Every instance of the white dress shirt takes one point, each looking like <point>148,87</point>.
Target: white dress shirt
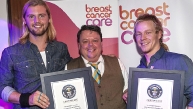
<point>102,69</point>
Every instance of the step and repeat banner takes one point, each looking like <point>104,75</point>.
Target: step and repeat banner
<point>69,16</point>
<point>176,17</point>
<point>116,19</point>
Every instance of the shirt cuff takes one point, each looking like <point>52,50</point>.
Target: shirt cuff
<point>6,93</point>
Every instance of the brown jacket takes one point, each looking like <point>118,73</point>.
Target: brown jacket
<point>109,92</point>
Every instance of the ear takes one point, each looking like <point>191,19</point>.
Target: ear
<point>79,46</point>
<point>24,22</point>
<point>134,38</point>
<point>160,34</point>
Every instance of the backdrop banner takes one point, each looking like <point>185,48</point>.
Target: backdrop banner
<point>175,16</point>
<point>69,16</point>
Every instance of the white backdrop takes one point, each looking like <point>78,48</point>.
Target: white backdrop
<point>177,22</point>
<point>3,26</point>
<point>89,12</point>
<point>3,37</point>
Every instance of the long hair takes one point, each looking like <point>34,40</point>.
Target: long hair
<point>51,32</point>
<point>158,27</point>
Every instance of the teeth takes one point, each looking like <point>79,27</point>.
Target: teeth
<point>143,43</point>
<point>37,26</point>
<point>90,50</point>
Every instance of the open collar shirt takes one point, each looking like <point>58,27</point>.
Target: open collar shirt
<point>102,69</point>
<point>173,61</point>
<point>22,64</point>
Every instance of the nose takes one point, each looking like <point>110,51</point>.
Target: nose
<point>143,36</point>
<point>90,43</point>
<point>36,19</point>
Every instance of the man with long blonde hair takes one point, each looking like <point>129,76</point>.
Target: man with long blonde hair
<point>36,53</point>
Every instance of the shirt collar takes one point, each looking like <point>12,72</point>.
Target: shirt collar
<point>157,55</point>
<point>28,43</point>
<point>101,60</point>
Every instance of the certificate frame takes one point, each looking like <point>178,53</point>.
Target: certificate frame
<point>178,99</point>
<point>85,73</point>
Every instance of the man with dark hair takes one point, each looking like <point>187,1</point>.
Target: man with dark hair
<point>36,53</point>
<point>109,74</point>
<point>148,35</point>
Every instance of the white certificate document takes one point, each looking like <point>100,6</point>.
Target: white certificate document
<point>69,94</point>
<point>154,93</point>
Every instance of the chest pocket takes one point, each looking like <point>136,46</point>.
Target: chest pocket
<point>59,64</point>
<point>27,69</point>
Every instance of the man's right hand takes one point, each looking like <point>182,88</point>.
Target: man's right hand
<point>40,99</point>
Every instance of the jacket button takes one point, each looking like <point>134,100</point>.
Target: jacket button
<point>99,86</point>
<point>101,95</point>
<point>101,103</point>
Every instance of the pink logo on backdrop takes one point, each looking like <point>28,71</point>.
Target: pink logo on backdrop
<point>100,16</point>
<point>67,30</point>
<point>128,20</point>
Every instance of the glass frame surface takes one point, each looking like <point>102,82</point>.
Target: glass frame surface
<point>178,98</point>
<point>85,73</point>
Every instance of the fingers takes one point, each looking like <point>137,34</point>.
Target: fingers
<point>40,99</point>
<point>125,97</point>
<point>39,96</point>
<point>43,100</point>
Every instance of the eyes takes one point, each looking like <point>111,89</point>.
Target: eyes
<point>147,33</point>
<point>90,41</point>
<point>31,16</point>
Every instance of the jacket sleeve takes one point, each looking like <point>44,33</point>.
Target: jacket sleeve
<point>6,71</point>
<point>188,66</point>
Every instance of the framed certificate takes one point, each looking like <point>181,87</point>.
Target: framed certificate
<point>155,89</point>
<point>70,89</point>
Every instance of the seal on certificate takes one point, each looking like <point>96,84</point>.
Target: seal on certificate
<point>154,91</point>
<point>69,91</point>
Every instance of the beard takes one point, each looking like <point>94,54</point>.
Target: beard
<point>37,33</point>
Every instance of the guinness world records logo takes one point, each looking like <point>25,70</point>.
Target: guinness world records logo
<point>154,91</point>
<point>69,91</point>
